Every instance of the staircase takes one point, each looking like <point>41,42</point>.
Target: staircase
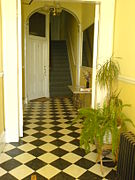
<point>59,70</point>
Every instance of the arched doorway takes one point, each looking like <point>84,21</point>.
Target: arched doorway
<point>37,72</point>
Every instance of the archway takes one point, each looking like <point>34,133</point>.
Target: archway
<point>26,42</point>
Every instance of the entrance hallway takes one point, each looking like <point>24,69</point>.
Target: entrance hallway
<point>50,147</point>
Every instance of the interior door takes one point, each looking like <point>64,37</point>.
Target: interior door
<point>38,60</point>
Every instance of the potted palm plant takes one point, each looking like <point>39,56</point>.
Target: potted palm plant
<point>107,74</point>
<point>100,122</point>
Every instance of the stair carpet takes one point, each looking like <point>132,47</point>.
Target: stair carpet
<point>59,70</point>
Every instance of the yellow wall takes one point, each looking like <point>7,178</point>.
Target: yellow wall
<point>73,7</point>
<point>72,29</point>
<point>124,47</point>
<point>72,36</point>
<point>88,14</point>
<point>1,80</point>
<point>1,61</point>
<point>1,107</point>
<point>128,96</point>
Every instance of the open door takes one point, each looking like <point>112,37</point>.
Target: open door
<point>37,63</point>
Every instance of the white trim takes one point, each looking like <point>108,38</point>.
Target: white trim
<point>47,81</point>
<point>126,79</point>
<point>95,49</point>
<point>20,69</point>
<point>71,47</point>
<point>105,41</point>
<point>79,56</point>
<point>10,70</point>
<point>26,26</point>
<point>25,100</point>
<point>70,55</point>
<point>37,37</point>
<point>68,49</point>
<point>1,74</point>
<point>9,139</point>
<point>2,141</point>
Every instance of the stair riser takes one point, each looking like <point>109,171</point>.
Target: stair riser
<point>59,70</point>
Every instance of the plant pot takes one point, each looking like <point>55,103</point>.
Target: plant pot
<point>107,138</point>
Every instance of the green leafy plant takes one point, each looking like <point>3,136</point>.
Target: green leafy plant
<point>116,118</point>
<point>107,74</point>
<point>98,122</point>
<point>110,118</point>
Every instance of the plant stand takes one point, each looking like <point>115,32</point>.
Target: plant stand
<point>100,152</point>
<point>79,96</point>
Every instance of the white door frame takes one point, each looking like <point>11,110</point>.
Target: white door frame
<point>26,44</point>
<point>106,16</point>
<point>95,53</point>
<point>105,47</point>
<point>79,57</point>
<point>20,109</point>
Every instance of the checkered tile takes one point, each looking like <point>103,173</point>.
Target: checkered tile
<point>50,147</point>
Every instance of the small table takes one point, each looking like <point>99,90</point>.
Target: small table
<point>79,96</point>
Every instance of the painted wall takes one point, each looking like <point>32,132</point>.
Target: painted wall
<point>1,107</point>
<point>72,39</point>
<point>1,80</point>
<point>128,96</point>
<point>73,7</point>
<point>10,65</point>
<point>88,15</point>
<point>72,29</point>
<point>124,47</point>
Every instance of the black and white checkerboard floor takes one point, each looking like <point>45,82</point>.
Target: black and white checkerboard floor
<point>50,147</point>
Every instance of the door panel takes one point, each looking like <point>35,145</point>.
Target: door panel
<point>36,63</point>
<point>37,71</point>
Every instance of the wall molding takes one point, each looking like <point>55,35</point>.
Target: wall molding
<point>126,79</point>
<point>2,141</point>
<point>1,74</point>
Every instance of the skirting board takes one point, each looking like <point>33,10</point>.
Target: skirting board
<point>2,141</point>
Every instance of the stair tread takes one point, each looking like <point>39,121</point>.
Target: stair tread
<point>59,72</point>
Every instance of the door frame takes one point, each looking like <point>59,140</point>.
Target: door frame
<point>26,44</point>
<point>106,15</point>
<point>105,48</point>
<point>20,101</point>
